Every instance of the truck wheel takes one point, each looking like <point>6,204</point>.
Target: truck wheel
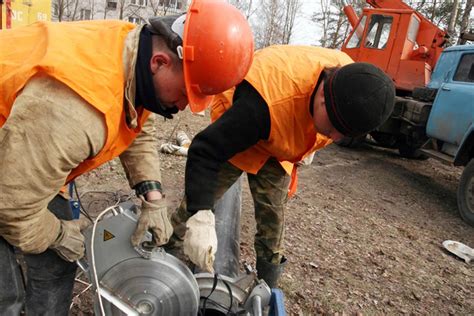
<point>466,194</point>
<point>407,151</point>
<point>351,142</point>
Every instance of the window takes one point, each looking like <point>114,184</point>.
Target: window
<point>379,31</point>
<point>141,3</point>
<point>170,4</point>
<point>134,19</point>
<point>85,14</point>
<point>111,5</point>
<point>354,41</point>
<point>413,28</point>
<point>465,71</point>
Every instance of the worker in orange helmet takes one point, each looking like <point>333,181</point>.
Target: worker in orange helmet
<point>294,100</point>
<point>76,95</point>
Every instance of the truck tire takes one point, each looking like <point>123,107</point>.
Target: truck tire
<point>351,142</point>
<point>466,194</point>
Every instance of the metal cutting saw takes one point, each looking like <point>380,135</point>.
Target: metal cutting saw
<point>149,281</point>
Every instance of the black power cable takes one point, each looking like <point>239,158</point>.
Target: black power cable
<point>81,207</point>
<point>202,311</point>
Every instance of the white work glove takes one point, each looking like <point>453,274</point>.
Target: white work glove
<point>169,148</point>
<point>200,240</point>
<point>69,244</point>
<point>154,217</point>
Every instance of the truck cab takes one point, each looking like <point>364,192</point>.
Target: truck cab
<point>398,40</point>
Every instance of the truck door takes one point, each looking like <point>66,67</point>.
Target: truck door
<point>373,42</point>
<point>453,108</point>
<point>377,46</point>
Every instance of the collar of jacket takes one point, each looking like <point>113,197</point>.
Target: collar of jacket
<point>130,53</point>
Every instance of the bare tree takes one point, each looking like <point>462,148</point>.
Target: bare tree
<point>324,20</point>
<point>244,6</point>
<point>337,39</point>
<point>433,12</point>
<point>66,10</point>
<point>121,5</point>
<point>333,22</point>
<point>291,9</point>
<point>60,8</point>
<point>452,19</point>
<point>269,29</point>
<point>74,12</point>
<point>92,8</point>
<point>464,27</point>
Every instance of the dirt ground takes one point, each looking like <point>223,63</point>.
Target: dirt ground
<point>363,233</point>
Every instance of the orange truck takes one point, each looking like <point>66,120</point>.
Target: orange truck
<point>407,46</point>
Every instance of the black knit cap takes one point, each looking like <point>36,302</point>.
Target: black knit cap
<point>359,98</point>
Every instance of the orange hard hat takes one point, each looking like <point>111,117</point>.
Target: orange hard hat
<point>217,50</point>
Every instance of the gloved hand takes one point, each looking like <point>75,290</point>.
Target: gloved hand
<point>154,216</point>
<point>200,240</point>
<point>169,148</point>
<point>69,244</point>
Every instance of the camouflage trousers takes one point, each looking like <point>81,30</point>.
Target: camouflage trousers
<point>269,188</point>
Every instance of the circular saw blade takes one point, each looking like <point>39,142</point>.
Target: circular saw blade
<point>161,285</point>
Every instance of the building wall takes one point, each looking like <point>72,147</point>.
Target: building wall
<point>27,11</point>
<point>135,11</point>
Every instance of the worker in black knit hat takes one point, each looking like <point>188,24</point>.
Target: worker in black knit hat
<point>294,100</point>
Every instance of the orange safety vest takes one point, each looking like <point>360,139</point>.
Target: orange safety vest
<point>87,56</point>
<point>285,76</point>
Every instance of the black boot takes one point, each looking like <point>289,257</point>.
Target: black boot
<point>270,272</point>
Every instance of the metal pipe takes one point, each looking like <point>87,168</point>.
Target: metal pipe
<point>227,212</point>
<point>117,302</point>
<point>351,16</point>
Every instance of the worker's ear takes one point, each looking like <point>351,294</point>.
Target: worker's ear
<point>159,59</point>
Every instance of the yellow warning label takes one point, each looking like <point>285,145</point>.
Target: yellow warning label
<point>108,235</point>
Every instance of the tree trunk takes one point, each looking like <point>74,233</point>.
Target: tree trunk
<point>433,12</point>
<point>453,18</point>
<point>465,21</point>
<point>336,35</point>
<point>76,4</point>
<point>121,9</point>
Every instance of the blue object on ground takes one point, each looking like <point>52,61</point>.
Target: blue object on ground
<point>277,303</point>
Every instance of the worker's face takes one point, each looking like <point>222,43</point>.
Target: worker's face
<point>168,80</point>
<point>322,124</point>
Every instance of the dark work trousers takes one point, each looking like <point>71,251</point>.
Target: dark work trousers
<point>50,279</point>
